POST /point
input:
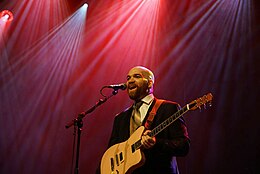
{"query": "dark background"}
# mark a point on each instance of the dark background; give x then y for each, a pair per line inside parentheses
(53, 62)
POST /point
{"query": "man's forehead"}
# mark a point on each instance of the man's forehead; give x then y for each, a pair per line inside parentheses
(144, 72)
(136, 71)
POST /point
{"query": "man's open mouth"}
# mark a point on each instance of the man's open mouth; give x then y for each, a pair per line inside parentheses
(131, 87)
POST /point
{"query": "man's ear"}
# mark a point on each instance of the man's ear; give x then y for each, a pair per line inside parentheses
(150, 84)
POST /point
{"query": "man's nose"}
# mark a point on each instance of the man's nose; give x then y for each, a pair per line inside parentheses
(131, 80)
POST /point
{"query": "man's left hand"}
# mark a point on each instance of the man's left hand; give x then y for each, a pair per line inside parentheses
(148, 141)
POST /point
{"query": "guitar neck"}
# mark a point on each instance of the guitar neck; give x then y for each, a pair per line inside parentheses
(195, 104)
(169, 121)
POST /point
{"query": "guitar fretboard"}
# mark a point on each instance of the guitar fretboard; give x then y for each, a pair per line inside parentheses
(168, 121)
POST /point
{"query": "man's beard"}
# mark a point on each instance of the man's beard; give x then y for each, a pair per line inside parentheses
(133, 95)
(137, 94)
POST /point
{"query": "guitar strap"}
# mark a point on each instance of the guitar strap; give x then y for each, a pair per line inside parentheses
(150, 118)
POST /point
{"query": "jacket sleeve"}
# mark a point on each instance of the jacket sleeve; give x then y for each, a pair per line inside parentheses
(120, 131)
(114, 138)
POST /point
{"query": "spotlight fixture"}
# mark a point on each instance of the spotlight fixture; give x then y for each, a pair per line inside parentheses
(6, 16)
(85, 5)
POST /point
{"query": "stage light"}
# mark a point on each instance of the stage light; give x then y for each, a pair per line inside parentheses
(6, 16)
(85, 6)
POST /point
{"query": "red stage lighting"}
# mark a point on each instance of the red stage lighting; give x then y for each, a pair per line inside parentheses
(6, 16)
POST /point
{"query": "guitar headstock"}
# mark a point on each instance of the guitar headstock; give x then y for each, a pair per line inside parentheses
(206, 99)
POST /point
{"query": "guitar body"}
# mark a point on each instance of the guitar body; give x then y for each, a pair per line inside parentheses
(122, 158)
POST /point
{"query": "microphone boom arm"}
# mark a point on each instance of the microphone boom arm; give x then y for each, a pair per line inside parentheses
(83, 114)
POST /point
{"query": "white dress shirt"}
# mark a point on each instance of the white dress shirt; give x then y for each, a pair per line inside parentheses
(147, 101)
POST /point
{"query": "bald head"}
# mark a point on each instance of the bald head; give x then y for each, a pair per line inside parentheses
(148, 74)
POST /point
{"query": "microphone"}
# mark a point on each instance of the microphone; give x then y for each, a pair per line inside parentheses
(121, 86)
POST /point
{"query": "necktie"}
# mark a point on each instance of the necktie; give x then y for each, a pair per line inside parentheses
(136, 117)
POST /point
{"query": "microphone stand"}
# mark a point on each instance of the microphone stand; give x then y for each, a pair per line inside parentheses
(78, 122)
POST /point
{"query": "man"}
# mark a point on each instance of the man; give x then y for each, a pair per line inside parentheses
(160, 151)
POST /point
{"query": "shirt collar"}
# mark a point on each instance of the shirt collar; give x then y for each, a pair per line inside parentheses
(148, 99)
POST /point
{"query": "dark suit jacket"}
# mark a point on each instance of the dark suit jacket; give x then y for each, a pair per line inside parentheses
(171, 142)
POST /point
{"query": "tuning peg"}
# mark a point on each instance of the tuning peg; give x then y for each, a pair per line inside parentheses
(210, 104)
(200, 108)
